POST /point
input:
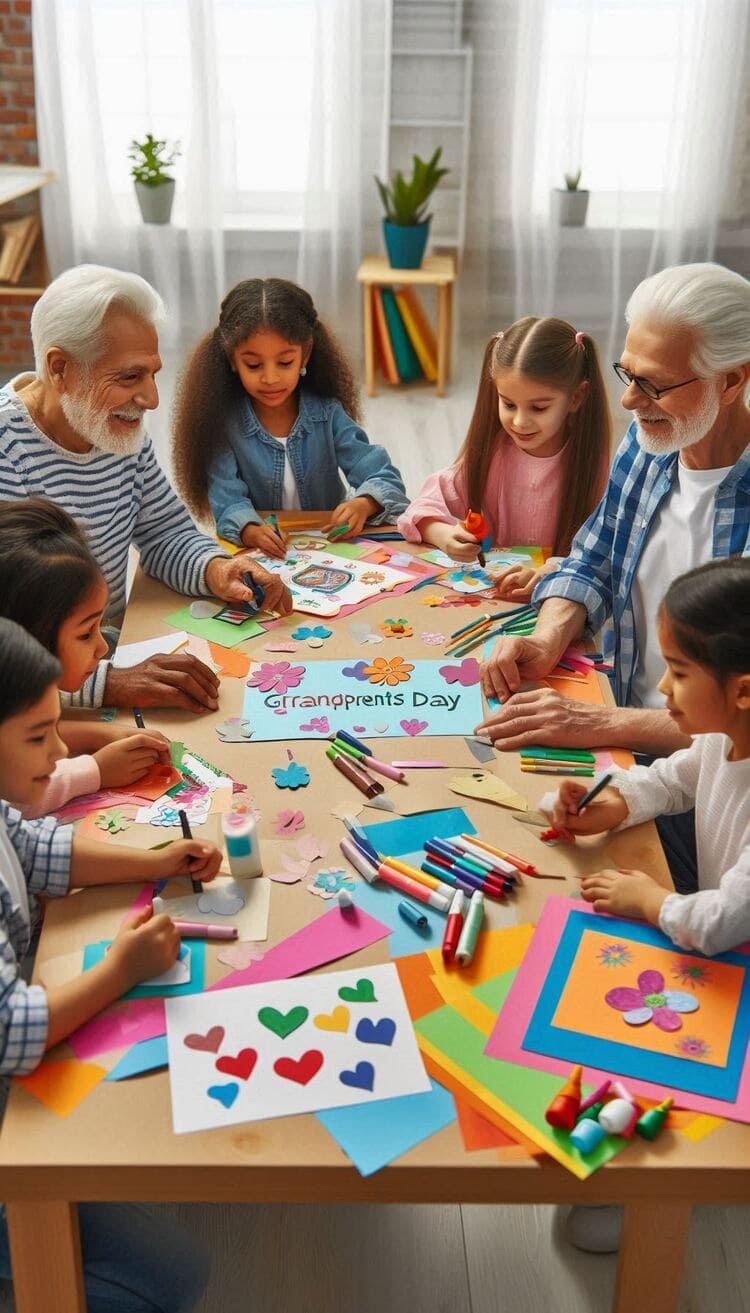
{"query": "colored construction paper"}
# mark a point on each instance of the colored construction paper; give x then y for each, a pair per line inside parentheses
(486, 787)
(131, 654)
(241, 903)
(321, 583)
(374, 1134)
(148, 1055)
(409, 833)
(477, 1132)
(216, 631)
(62, 1084)
(95, 802)
(382, 901)
(507, 1039)
(117, 1027)
(232, 664)
(94, 953)
(412, 696)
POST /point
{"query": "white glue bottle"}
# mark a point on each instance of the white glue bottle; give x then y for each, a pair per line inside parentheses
(241, 839)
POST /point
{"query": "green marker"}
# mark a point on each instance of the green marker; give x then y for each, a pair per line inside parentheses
(339, 531)
(560, 754)
(470, 930)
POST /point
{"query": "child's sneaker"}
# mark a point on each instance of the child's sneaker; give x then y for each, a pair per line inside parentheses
(594, 1228)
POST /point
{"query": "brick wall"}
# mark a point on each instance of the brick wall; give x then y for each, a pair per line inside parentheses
(18, 145)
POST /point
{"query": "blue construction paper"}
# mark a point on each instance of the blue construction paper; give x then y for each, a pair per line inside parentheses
(373, 1134)
(327, 699)
(407, 834)
(148, 1055)
(94, 953)
(678, 1073)
(381, 900)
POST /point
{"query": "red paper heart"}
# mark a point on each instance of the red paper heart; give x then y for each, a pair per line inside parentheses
(301, 1069)
(208, 1043)
(241, 1066)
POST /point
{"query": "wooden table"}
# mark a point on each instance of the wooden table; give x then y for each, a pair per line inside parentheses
(119, 1145)
(437, 271)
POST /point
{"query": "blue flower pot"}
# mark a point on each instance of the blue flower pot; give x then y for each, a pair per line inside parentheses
(405, 243)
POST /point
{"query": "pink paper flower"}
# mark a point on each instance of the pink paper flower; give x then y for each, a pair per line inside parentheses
(465, 674)
(651, 1002)
(276, 677)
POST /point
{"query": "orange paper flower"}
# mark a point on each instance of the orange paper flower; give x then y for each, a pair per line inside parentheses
(395, 671)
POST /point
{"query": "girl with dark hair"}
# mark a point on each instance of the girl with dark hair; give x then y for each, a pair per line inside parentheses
(131, 1259)
(536, 472)
(266, 417)
(52, 586)
(704, 633)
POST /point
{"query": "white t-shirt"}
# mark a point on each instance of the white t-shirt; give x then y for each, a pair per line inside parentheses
(290, 492)
(680, 539)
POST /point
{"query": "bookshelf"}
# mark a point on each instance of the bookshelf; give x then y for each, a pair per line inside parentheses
(22, 233)
(397, 331)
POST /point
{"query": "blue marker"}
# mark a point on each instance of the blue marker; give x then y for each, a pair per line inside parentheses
(258, 592)
(355, 743)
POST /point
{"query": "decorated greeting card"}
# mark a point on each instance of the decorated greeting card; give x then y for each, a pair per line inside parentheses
(291, 1046)
(321, 582)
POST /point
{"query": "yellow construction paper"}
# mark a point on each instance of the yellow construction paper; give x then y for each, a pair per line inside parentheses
(62, 1085)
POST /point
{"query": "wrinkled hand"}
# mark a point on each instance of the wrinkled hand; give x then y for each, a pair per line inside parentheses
(517, 582)
(513, 662)
(624, 893)
(224, 579)
(177, 680)
(545, 719)
(193, 857)
(144, 946)
(129, 759)
(355, 513)
(607, 810)
(263, 538)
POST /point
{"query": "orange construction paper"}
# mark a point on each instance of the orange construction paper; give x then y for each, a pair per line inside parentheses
(231, 661)
(451, 1082)
(88, 829)
(417, 982)
(478, 1132)
(62, 1085)
(154, 783)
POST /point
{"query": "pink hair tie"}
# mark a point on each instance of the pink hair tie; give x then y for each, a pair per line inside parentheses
(579, 339)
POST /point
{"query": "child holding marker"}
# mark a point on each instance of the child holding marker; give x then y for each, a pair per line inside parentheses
(266, 417)
(131, 1259)
(51, 584)
(535, 475)
(704, 633)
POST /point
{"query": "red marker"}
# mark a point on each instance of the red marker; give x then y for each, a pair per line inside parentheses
(453, 926)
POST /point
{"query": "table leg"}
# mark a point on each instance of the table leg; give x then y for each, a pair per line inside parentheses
(449, 335)
(443, 337)
(45, 1255)
(369, 344)
(652, 1249)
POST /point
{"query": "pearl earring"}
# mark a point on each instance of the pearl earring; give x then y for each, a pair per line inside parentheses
(303, 371)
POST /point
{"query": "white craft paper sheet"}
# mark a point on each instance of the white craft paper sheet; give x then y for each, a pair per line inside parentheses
(131, 654)
(218, 904)
(398, 1067)
(365, 579)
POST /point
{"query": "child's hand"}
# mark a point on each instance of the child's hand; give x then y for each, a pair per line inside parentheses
(453, 539)
(355, 513)
(265, 539)
(129, 759)
(624, 893)
(607, 810)
(193, 857)
(144, 946)
(517, 582)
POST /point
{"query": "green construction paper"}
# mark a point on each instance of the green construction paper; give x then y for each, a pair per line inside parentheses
(494, 992)
(216, 631)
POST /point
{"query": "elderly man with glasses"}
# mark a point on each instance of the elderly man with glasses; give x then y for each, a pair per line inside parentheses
(678, 495)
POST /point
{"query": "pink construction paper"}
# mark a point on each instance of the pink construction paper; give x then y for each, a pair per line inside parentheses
(89, 802)
(419, 572)
(506, 1040)
(143, 900)
(142, 1018)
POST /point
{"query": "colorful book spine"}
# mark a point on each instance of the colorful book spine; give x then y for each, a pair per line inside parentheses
(419, 329)
(383, 351)
(405, 356)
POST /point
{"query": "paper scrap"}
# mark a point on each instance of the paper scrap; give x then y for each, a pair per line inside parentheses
(487, 788)
(132, 654)
(147, 1055)
(374, 1134)
(63, 1084)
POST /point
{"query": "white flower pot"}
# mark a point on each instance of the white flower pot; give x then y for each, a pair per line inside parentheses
(569, 207)
(155, 202)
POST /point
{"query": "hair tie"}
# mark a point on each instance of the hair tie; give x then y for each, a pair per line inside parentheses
(499, 336)
(580, 338)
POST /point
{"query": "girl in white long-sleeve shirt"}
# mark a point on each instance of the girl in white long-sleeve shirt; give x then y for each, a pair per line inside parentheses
(704, 633)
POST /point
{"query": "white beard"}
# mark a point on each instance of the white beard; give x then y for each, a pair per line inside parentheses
(93, 426)
(679, 433)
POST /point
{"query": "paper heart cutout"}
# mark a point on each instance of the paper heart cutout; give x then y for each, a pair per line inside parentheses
(413, 727)
(362, 1078)
(283, 1023)
(310, 847)
(208, 1043)
(225, 901)
(224, 1094)
(376, 1032)
(240, 955)
(363, 992)
(203, 610)
(336, 1020)
(242, 1064)
(317, 725)
(380, 729)
(300, 1070)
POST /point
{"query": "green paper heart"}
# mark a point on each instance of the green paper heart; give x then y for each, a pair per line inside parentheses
(283, 1023)
(364, 992)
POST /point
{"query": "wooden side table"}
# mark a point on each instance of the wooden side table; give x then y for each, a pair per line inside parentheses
(436, 271)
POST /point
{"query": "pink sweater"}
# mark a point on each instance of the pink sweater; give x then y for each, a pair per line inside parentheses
(71, 778)
(521, 499)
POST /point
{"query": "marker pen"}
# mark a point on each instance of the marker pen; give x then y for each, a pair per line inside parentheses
(346, 766)
(518, 862)
(413, 916)
(429, 880)
(592, 793)
(355, 743)
(371, 763)
(360, 863)
(471, 928)
(458, 857)
(361, 838)
(138, 717)
(468, 845)
(453, 926)
(462, 878)
(441, 871)
(420, 892)
(188, 834)
(197, 930)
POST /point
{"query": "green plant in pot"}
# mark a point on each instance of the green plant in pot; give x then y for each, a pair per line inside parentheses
(570, 203)
(154, 187)
(407, 224)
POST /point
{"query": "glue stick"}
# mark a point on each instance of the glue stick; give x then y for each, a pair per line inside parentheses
(241, 839)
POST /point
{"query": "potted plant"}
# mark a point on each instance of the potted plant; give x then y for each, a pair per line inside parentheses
(154, 187)
(406, 224)
(570, 203)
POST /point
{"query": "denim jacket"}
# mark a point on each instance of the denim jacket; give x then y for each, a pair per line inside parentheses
(324, 442)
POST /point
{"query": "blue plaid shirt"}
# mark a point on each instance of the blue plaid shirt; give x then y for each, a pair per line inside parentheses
(42, 852)
(606, 550)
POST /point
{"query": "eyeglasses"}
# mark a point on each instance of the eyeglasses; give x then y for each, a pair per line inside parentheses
(654, 393)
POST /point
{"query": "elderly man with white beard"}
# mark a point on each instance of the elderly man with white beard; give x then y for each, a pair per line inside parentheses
(74, 432)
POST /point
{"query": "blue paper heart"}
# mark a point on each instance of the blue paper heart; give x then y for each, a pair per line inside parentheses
(371, 1032)
(225, 1094)
(362, 1078)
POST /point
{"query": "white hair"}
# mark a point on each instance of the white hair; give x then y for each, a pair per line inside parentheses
(70, 313)
(712, 301)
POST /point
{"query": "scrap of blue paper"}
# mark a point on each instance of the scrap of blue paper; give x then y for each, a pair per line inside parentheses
(607, 1055)
(407, 834)
(94, 953)
(382, 900)
(373, 1134)
(148, 1055)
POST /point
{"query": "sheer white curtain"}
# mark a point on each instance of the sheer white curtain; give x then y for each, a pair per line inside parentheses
(643, 97)
(346, 148)
(107, 71)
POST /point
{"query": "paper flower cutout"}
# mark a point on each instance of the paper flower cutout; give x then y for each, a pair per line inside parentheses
(615, 955)
(433, 599)
(429, 637)
(234, 730)
(396, 628)
(293, 776)
(316, 725)
(413, 727)
(291, 871)
(358, 671)
(363, 633)
(372, 577)
(318, 631)
(395, 671)
(276, 677)
(688, 971)
(112, 821)
(288, 822)
(465, 674)
(327, 884)
(651, 1002)
(692, 1046)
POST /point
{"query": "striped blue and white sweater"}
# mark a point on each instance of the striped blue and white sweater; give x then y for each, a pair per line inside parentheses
(118, 500)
